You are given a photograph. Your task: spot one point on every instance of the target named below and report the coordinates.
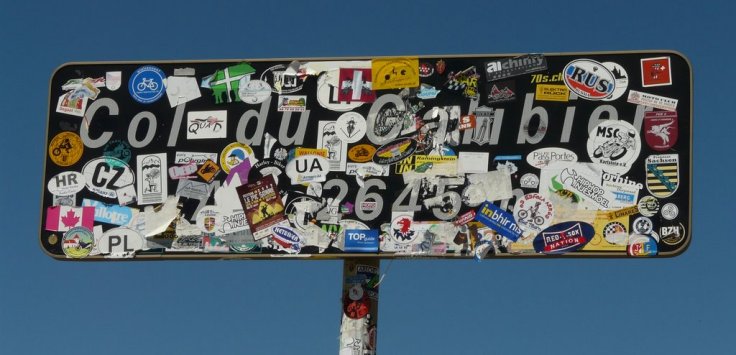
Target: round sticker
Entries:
(641, 245)
(533, 212)
(642, 225)
(614, 145)
(356, 309)
(355, 292)
(253, 91)
(327, 92)
(208, 219)
(401, 229)
(351, 127)
(648, 206)
(670, 211)
(78, 242)
(53, 239)
(234, 154)
(615, 233)
(672, 234)
(146, 85)
(66, 148)
(117, 149)
(620, 77)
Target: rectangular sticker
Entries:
(64, 218)
(206, 124)
(109, 213)
(337, 150)
(651, 100)
(395, 73)
(151, 176)
(505, 68)
(356, 85)
(197, 158)
(498, 220)
(292, 103)
(72, 105)
(472, 162)
(361, 240)
(549, 92)
(262, 204)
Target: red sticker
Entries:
(656, 71)
(660, 129)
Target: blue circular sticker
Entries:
(146, 85)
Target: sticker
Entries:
(589, 79)
(72, 104)
(361, 241)
(110, 213)
(533, 212)
(466, 122)
(583, 180)
(395, 151)
(670, 211)
(307, 168)
(660, 129)
(615, 145)
(262, 204)
(292, 103)
(499, 220)
(545, 78)
(529, 181)
(152, 185)
(288, 239)
(67, 200)
(181, 89)
(550, 92)
(64, 218)
(465, 82)
(206, 124)
(620, 77)
(66, 183)
(501, 91)
(366, 169)
(113, 80)
(563, 238)
(356, 309)
(491, 186)
(66, 148)
(253, 91)
(120, 243)
(656, 71)
(117, 149)
(441, 65)
(183, 171)
(146, 84)
(126, 195)
(268, 166)
(356, 85)
(328, 91)
(395, 73)
(508, 67)
(672, 235)
(663, 174)
(648, 206)
(78, 242)
(425, 70)
(642, 225)
(192, 157)
(472, 162)
(641, 245)
(543, 157)
(234, 154)
(104, 178)
(651, 100)
(351, 127)
(427, 92)
(209, 219)
(227, 81)
(428, 164)
(361, 153)
(283, 79)
(615, 233)
(401, 228)
(329, 139)
(624, 212)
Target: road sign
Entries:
(577, 154)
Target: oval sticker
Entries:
(563, 238)
(395, 151)
(308, 168)
(120, 242)
(543, 157)
(66, 183)
(589, 79)
(105, 175)
(361, 153)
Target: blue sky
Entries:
(681, 305)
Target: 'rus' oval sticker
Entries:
(589, 79)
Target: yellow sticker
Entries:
(66, 148)
(301, 151)
(610, 234)
(395, 73)
(547, 92)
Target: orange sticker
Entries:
(66, 149)
(208, 170)
(395, 73)
(361, 153)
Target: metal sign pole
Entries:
(360, 277)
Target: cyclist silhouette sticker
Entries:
(533, 213)
(614, 145)
(146, 85)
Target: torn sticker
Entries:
(120, 243)
(472, 162)
(395, 73)
(356, 85)
(181, 89)
(226, 82)
(491, 186)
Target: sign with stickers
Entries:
(525, 155)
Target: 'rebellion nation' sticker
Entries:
(66, 148)
(614, 145)
(78, 242)
(589, 79)
(563, 238)
(395, 151)
(663, 174)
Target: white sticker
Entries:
(197, 158)
(620, 77)
(152, 182)
(209, 219)
(529, 181)
(533, 212)
(292, 103)
(206, 124)
(181, 89)
(656, 101)
(351, 127)
(120, 243)
(308, 168)
(542, 157)
(472, 162)
(105, 175)
(113, 79)
(337, 150)
(253, 91)
(614, 145)
(491, 186)
(66, 183)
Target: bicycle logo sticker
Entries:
(615, 145)
(146, 85)
(66, 148)
(533, 213)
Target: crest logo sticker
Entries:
(615, 145)
(78, 242)
(589, 79)
(113, 79)
(660, 129)
(663, 174)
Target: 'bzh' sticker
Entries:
(615, 145)
(152, 184)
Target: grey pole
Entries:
(359, 300)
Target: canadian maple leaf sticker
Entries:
(70, 220)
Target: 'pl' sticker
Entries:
(152, 182)
(329, 139)
(351, 127)
(120, 243)
(614, 145)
